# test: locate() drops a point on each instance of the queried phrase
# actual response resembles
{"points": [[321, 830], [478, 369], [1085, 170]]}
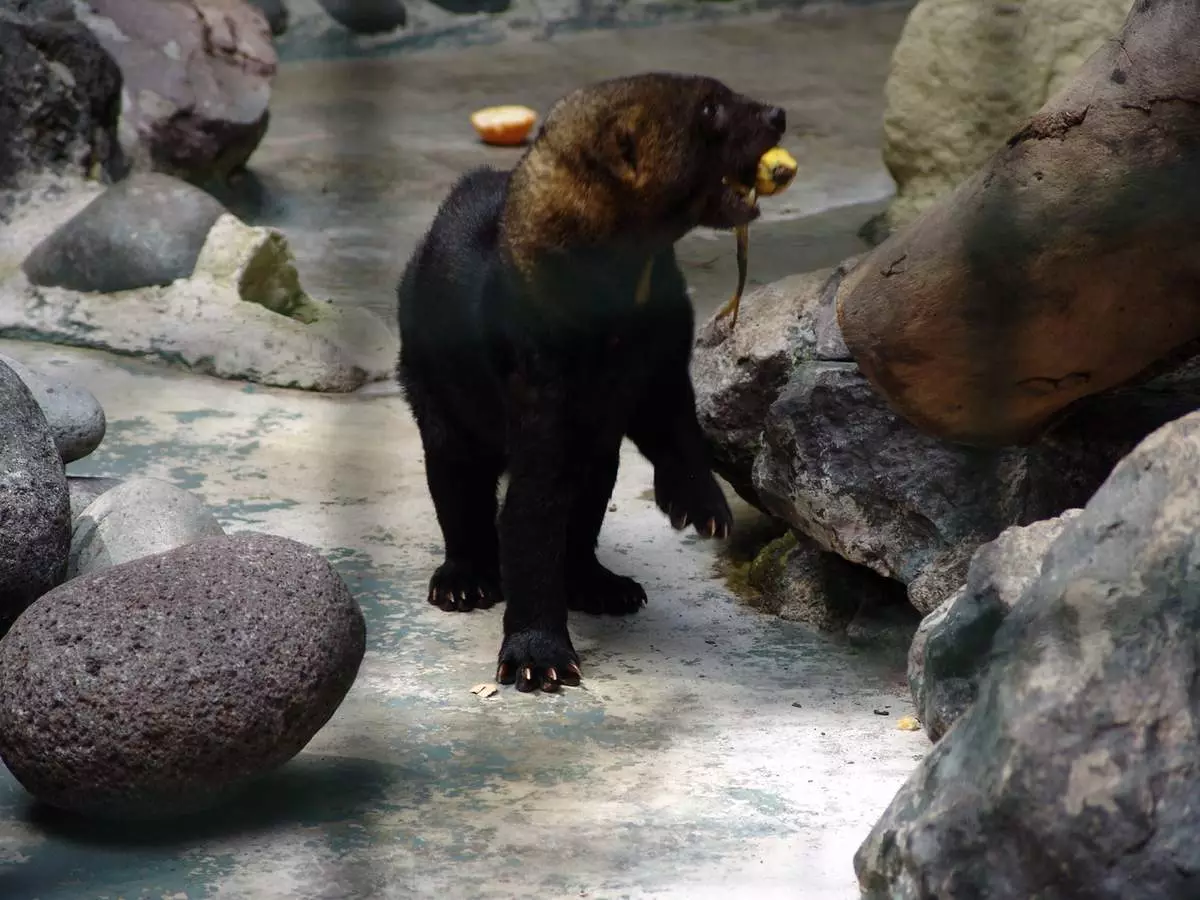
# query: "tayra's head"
{"points": [[646, 156]]}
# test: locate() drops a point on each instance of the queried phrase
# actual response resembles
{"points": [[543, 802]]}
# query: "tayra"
{"points": [[543, 319]]}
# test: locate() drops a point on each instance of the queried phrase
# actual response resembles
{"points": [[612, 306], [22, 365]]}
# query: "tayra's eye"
{"points": [[709, 110]]}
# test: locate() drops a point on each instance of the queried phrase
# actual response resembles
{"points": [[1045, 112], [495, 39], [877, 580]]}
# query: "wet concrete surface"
{"points": [[711, 751], [360, 152]]}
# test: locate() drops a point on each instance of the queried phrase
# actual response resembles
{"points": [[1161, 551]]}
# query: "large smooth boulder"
{"points": [[951, 647], [60, 95], [146, 230], [138, 517], [966, 73], [1074, 773], [35, 507], [161, 686], [799, 432], [1066, 266], [198, 79], [75, 416]]}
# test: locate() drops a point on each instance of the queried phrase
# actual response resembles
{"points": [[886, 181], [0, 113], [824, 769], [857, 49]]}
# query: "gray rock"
{"points": [[146, 230], [366, 16], [59, 96], [86, 488], [276, 13], [139, 517], [162, 686], [953, 643], [197, 77], [35, 511], [75, 417], [799, 432], [1073, 775]]}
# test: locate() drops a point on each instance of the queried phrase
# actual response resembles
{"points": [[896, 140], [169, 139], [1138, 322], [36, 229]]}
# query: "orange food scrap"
{"points": [[909, 723], [505, 126]]}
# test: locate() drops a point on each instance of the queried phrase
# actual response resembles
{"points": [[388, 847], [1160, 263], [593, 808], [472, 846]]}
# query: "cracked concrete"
{"points": [[712, 751]]}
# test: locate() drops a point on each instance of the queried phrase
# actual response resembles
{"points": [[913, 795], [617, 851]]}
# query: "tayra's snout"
{"points": [[776, 119]]}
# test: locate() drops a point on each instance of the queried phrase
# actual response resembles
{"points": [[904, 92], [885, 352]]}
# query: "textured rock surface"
{"points": [[197, 81], [800, 432], [222, 321], [139, 517], [75, 417], [160, 686], [1073, 775], [738, 375], [60, 96], [951, 649], [965, 75], [145, 230], [86, 488], [35, 511]]}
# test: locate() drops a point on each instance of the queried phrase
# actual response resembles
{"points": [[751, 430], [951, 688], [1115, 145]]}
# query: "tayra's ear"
{"points": [[619, 149]]}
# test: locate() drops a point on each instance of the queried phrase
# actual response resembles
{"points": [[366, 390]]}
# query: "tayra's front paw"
{"points": [[536, 658], [693, 498], [591, 588], [463, 586]]}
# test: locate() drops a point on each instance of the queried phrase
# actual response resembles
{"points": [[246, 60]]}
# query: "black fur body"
{"points": [[544, 319]]}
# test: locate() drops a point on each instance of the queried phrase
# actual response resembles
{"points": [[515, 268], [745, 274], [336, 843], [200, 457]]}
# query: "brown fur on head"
{"points": [[637, 162]]}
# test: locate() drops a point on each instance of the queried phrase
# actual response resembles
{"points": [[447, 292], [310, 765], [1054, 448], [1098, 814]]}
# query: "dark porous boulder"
{"points": [[798, 431], [163, 685], [951, 647], [1074, 773], [198, 77], [60, 96], [146, 230], [366, 16], [35, 507]]}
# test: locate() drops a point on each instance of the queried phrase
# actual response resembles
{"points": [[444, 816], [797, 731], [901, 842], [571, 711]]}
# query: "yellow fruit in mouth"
{"points": [[776, 169]]}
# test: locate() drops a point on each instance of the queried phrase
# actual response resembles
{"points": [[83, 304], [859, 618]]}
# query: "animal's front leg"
{"points": [[667, 433], [533, 529]]}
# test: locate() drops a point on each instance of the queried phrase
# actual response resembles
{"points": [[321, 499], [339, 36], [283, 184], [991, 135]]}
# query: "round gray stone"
{"points": [[35, 510], [276, 13], [146, 230], [75, 416], [366, 16], [162, 686], [86, 488], [137, 518]]}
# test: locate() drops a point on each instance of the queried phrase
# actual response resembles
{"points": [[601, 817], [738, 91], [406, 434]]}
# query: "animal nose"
{"points": [[775, 118]]}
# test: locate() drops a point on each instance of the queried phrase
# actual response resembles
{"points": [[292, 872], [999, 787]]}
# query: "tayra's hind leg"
{"points": [[462, 481], [591, 588]]}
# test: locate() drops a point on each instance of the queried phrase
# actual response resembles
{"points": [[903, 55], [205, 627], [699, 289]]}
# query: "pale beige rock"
{"points": [[967, 73]]}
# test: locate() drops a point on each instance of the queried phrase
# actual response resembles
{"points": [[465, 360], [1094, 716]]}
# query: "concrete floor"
{"points": [[711, 752]]}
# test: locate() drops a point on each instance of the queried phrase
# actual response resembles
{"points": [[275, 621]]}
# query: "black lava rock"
{"points": [[60, 94]]}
